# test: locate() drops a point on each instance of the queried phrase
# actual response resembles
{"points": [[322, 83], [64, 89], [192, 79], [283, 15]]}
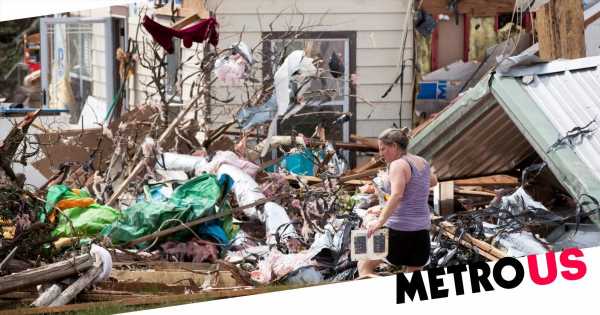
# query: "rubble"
{"points": [[138, 212]]}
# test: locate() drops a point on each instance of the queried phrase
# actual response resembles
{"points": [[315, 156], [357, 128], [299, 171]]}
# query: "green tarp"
{"points": [[192, 200]]}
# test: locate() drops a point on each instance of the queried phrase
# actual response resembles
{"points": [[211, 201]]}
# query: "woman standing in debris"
{"points": [[406, 213]]}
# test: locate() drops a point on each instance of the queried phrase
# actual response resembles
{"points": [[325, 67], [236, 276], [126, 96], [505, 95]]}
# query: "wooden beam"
{"points": [[369, 173], [560, 29], [472, 7], [591, 14], [500, 180], [475, 193]]}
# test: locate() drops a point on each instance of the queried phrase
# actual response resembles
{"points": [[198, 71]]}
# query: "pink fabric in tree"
{"points": [[197, 33]]}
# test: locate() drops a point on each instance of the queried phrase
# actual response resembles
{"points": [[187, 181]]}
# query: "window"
{"points": [[77, 62], [332, 91]]}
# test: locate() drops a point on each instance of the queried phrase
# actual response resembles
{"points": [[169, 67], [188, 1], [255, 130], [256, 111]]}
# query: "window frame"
{"points": [[350, 36], [108, 55]]}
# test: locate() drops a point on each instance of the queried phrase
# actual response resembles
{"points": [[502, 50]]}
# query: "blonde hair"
{"points": [[395, 136]]}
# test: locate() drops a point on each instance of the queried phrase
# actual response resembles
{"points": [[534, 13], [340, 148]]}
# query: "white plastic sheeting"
{"points": [[247, 191]]}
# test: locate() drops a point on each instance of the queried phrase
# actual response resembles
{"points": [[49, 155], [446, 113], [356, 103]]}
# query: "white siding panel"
{"points": [[380, 75], [330, 21], [373, 93], [372, 128], [382, 111], [379, 57], [383, 38], [305, 6]]}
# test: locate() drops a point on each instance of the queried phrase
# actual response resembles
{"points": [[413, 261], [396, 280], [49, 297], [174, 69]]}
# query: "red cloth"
{"points": [[199, 32]]}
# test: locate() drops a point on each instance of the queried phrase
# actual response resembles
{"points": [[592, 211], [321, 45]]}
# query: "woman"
{"points": [[406, 213]]}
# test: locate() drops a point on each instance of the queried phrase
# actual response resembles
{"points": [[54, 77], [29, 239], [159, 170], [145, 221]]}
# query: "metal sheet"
{"points": [[472, 137], [552, 105]]}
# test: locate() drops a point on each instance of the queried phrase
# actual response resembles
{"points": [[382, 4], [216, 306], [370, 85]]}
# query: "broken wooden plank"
{"points": [[591, 14], [369, 173], [45, 273], [357, 182], [371, 142], [560, 28], [374, 162], [471, 7], [493, 180], [171, 277]]}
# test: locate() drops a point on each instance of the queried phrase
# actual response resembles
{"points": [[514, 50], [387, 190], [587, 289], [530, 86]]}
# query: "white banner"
{"points": [[509, 285]]}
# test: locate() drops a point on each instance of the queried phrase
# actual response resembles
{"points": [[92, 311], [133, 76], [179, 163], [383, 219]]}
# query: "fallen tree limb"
{"points": [[45, 273], [141, 164], [11, 143]]}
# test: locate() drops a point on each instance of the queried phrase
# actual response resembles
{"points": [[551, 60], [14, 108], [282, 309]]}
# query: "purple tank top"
{"points": [[413, 212]]}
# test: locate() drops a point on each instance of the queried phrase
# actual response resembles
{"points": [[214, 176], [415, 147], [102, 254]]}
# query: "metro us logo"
{"points": [[478, 275]]}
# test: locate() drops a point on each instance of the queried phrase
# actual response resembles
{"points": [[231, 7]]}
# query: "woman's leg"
{"points": [[367, 267]]}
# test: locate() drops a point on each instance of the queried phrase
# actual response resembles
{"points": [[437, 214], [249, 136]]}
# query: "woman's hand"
{"points": [[372, 227]]}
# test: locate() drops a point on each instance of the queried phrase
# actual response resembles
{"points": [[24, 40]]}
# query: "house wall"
{"points": [[379, 31]]}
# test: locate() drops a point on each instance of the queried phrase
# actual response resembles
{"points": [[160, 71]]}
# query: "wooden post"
{"points": [[443, 196], [560, 28]]}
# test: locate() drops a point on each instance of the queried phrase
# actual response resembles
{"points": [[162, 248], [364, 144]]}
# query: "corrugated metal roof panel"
{"points": [[472, 137], [570, 100], [553, 104]]}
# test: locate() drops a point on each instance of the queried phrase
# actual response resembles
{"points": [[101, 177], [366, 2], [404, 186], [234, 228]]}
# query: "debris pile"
{"points": [[152, 207]]}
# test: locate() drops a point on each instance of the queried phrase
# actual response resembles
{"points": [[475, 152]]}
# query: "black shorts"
{"points": [[408, 248]]}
